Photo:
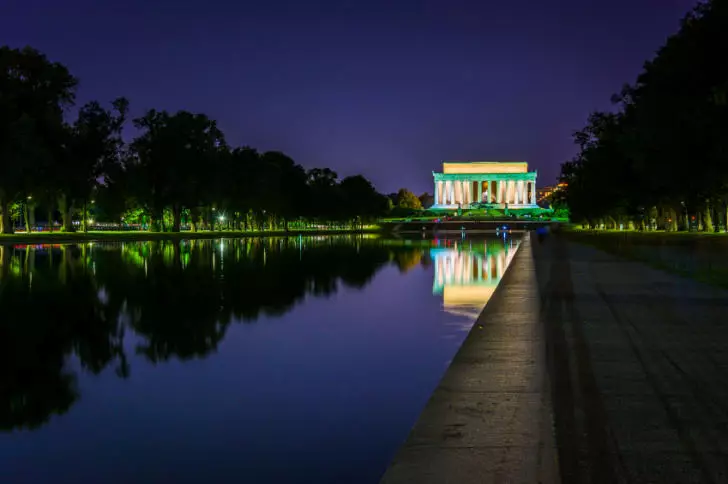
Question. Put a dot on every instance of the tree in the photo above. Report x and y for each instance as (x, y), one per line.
(33, 94)
(172, 152)
(407, 199)
(323, 193)
(361, 200)
(92, 149)
(663, 154)
(284, 184)
(426, 200)
(240, 183)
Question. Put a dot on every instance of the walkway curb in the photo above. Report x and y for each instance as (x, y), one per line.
(490, 418)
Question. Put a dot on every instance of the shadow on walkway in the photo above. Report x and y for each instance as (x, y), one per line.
(638, 362)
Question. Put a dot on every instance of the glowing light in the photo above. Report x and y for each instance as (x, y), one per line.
(90, 221)
(221, 218)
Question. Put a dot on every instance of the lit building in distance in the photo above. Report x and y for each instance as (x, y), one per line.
(498, 184)
(543, 194)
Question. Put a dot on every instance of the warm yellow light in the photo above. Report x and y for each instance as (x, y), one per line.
(477, 167)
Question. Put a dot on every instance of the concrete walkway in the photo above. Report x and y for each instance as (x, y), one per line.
(639, 365)
(489, 420)
(626, 365)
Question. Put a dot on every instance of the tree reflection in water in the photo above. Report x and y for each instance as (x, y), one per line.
(68, 308)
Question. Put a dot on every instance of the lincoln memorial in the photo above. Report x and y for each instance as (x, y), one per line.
(499, 184)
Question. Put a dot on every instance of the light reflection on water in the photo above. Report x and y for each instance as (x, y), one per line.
(468, 272)
(212, 360)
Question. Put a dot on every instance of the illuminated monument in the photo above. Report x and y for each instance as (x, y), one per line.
(467, 273)
(498, 184)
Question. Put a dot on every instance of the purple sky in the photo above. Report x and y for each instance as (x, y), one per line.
(388, 89)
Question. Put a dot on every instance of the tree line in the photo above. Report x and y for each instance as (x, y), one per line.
(660, 160)
(178, 172)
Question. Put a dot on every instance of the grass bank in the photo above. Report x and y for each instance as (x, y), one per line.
(699, 256)
(120, 236)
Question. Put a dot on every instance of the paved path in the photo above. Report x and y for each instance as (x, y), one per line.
(637, 380)
(489, 420)
(639, 366)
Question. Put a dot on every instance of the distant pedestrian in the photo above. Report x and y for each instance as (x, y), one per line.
(542, 232)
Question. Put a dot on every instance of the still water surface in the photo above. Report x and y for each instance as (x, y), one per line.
(278, 360)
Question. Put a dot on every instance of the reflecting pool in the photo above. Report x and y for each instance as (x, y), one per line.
(262, 360)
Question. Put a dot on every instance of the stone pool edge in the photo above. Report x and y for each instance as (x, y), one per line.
(490, 419)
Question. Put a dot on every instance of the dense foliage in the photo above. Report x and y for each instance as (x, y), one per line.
(661, 160)
(178, 172)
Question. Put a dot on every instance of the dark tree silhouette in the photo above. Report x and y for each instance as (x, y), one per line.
(660, 161)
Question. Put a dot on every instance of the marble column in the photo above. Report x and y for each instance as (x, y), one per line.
(524, 191)
(479, 192)
(533, 192)
(524, 195)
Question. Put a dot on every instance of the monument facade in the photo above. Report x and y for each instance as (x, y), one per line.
(485, 183)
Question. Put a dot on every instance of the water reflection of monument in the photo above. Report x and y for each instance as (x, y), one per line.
(467, 272)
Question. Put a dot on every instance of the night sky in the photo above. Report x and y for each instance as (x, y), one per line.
(388, 89)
